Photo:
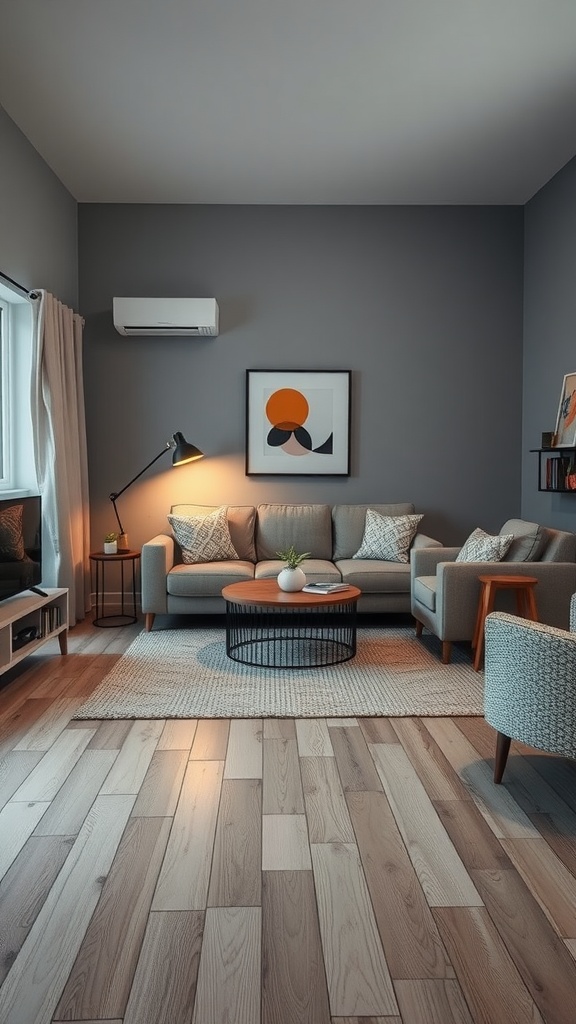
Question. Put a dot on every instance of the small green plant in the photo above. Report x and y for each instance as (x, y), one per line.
(291, 557)
(110, 538)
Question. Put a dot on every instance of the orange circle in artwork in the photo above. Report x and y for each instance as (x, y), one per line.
(287, 409)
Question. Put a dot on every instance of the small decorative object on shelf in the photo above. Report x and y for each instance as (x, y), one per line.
(111, 544)
(292, 577)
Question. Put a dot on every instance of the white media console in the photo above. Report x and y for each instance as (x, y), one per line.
(28, 620)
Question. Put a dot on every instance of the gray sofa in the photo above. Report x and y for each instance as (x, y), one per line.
(332, 535)
(445, 592)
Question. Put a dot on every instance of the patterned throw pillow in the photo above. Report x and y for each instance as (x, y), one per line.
(483, 547)
(11, 536)
(387, 537)
(204, 538)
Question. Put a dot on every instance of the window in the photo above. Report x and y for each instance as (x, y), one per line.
(17, 470)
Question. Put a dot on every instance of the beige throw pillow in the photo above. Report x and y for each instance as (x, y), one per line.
(388, 538)
(203, 538)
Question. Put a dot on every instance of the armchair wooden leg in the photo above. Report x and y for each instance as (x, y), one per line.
(502, 748)
(149, 619)
(446, 651)
(419, 628)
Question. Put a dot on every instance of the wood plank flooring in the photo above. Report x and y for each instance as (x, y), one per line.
(326, 871)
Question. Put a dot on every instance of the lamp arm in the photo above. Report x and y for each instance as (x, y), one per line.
(116, 494)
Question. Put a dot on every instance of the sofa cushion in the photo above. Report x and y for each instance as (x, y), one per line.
(424, 591)
(559, 546)
(528, 542)
(349, 522)
(241, 522)
(374, 576)
(388, 537)
(206, 579)
(307, 527)
(484, 547)
(203, 538)
(316, 569)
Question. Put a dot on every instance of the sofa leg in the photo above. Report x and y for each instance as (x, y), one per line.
(502, 748)
(149, 619)
(419, 628)
(446, 651)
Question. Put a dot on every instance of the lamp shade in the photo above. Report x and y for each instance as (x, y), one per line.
(183, 451)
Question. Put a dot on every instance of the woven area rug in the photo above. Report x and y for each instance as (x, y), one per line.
(185, 673)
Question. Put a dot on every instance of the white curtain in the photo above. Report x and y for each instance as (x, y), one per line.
(59, 429)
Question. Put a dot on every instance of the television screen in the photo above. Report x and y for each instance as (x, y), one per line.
(20, 545)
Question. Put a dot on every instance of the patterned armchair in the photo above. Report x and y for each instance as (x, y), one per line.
(530, 685)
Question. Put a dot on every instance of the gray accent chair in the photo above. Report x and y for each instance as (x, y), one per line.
(444, 593)
(530, 685)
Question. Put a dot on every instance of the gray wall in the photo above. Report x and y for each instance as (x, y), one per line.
(423, 304)
(38, 219)
(549, 332)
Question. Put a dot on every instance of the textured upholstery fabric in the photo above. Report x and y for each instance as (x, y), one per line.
(368, 574)
(203, 538)
(307, 527)
(349, 522)
(528, 543)
(530, 682)
(388, 537)
(241, 521)
(483, 547)
(425, 591)
(207, 578)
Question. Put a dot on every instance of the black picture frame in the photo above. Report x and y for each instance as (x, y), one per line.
(298, 422)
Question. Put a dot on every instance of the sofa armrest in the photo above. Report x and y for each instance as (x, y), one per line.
(425, 561)
(421, 540)
(156, 561)
(458, 589)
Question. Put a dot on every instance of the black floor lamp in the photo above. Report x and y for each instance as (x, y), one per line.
(182, 452)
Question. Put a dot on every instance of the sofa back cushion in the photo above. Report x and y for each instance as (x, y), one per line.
(307, 527)
(349, 522)
(241, 520)
(560, 546)
(528, 543)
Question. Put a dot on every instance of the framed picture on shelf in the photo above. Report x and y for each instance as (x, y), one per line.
(565, 433)
(298, 422)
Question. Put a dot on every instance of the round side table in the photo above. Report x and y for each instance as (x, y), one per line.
(523, 586)
(100, 560)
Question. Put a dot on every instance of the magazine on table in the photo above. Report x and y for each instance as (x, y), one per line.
(325, 588)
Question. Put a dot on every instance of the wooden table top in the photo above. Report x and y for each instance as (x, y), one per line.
(267, 592)
(509, 581)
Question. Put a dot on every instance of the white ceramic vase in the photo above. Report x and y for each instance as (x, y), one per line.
(110, 547)
(292, 579)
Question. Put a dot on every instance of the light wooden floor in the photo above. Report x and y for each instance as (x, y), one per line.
(276, 871)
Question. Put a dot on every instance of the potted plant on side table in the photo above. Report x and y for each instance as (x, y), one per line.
(111, 544)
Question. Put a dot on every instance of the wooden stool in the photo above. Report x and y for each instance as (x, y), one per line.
(525, 605)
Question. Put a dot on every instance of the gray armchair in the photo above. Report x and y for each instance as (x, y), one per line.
(444, 593)
(530, 685)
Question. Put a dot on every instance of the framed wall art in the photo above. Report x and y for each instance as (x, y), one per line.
(297, 422)
(565, 433)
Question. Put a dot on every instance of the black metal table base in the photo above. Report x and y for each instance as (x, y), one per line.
(123, 617)
(290, 638)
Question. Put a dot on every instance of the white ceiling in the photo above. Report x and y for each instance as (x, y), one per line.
(294, 101)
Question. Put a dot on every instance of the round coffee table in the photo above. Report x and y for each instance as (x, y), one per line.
(270, 628)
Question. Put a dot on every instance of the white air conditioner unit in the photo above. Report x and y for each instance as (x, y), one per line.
(165, 317)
